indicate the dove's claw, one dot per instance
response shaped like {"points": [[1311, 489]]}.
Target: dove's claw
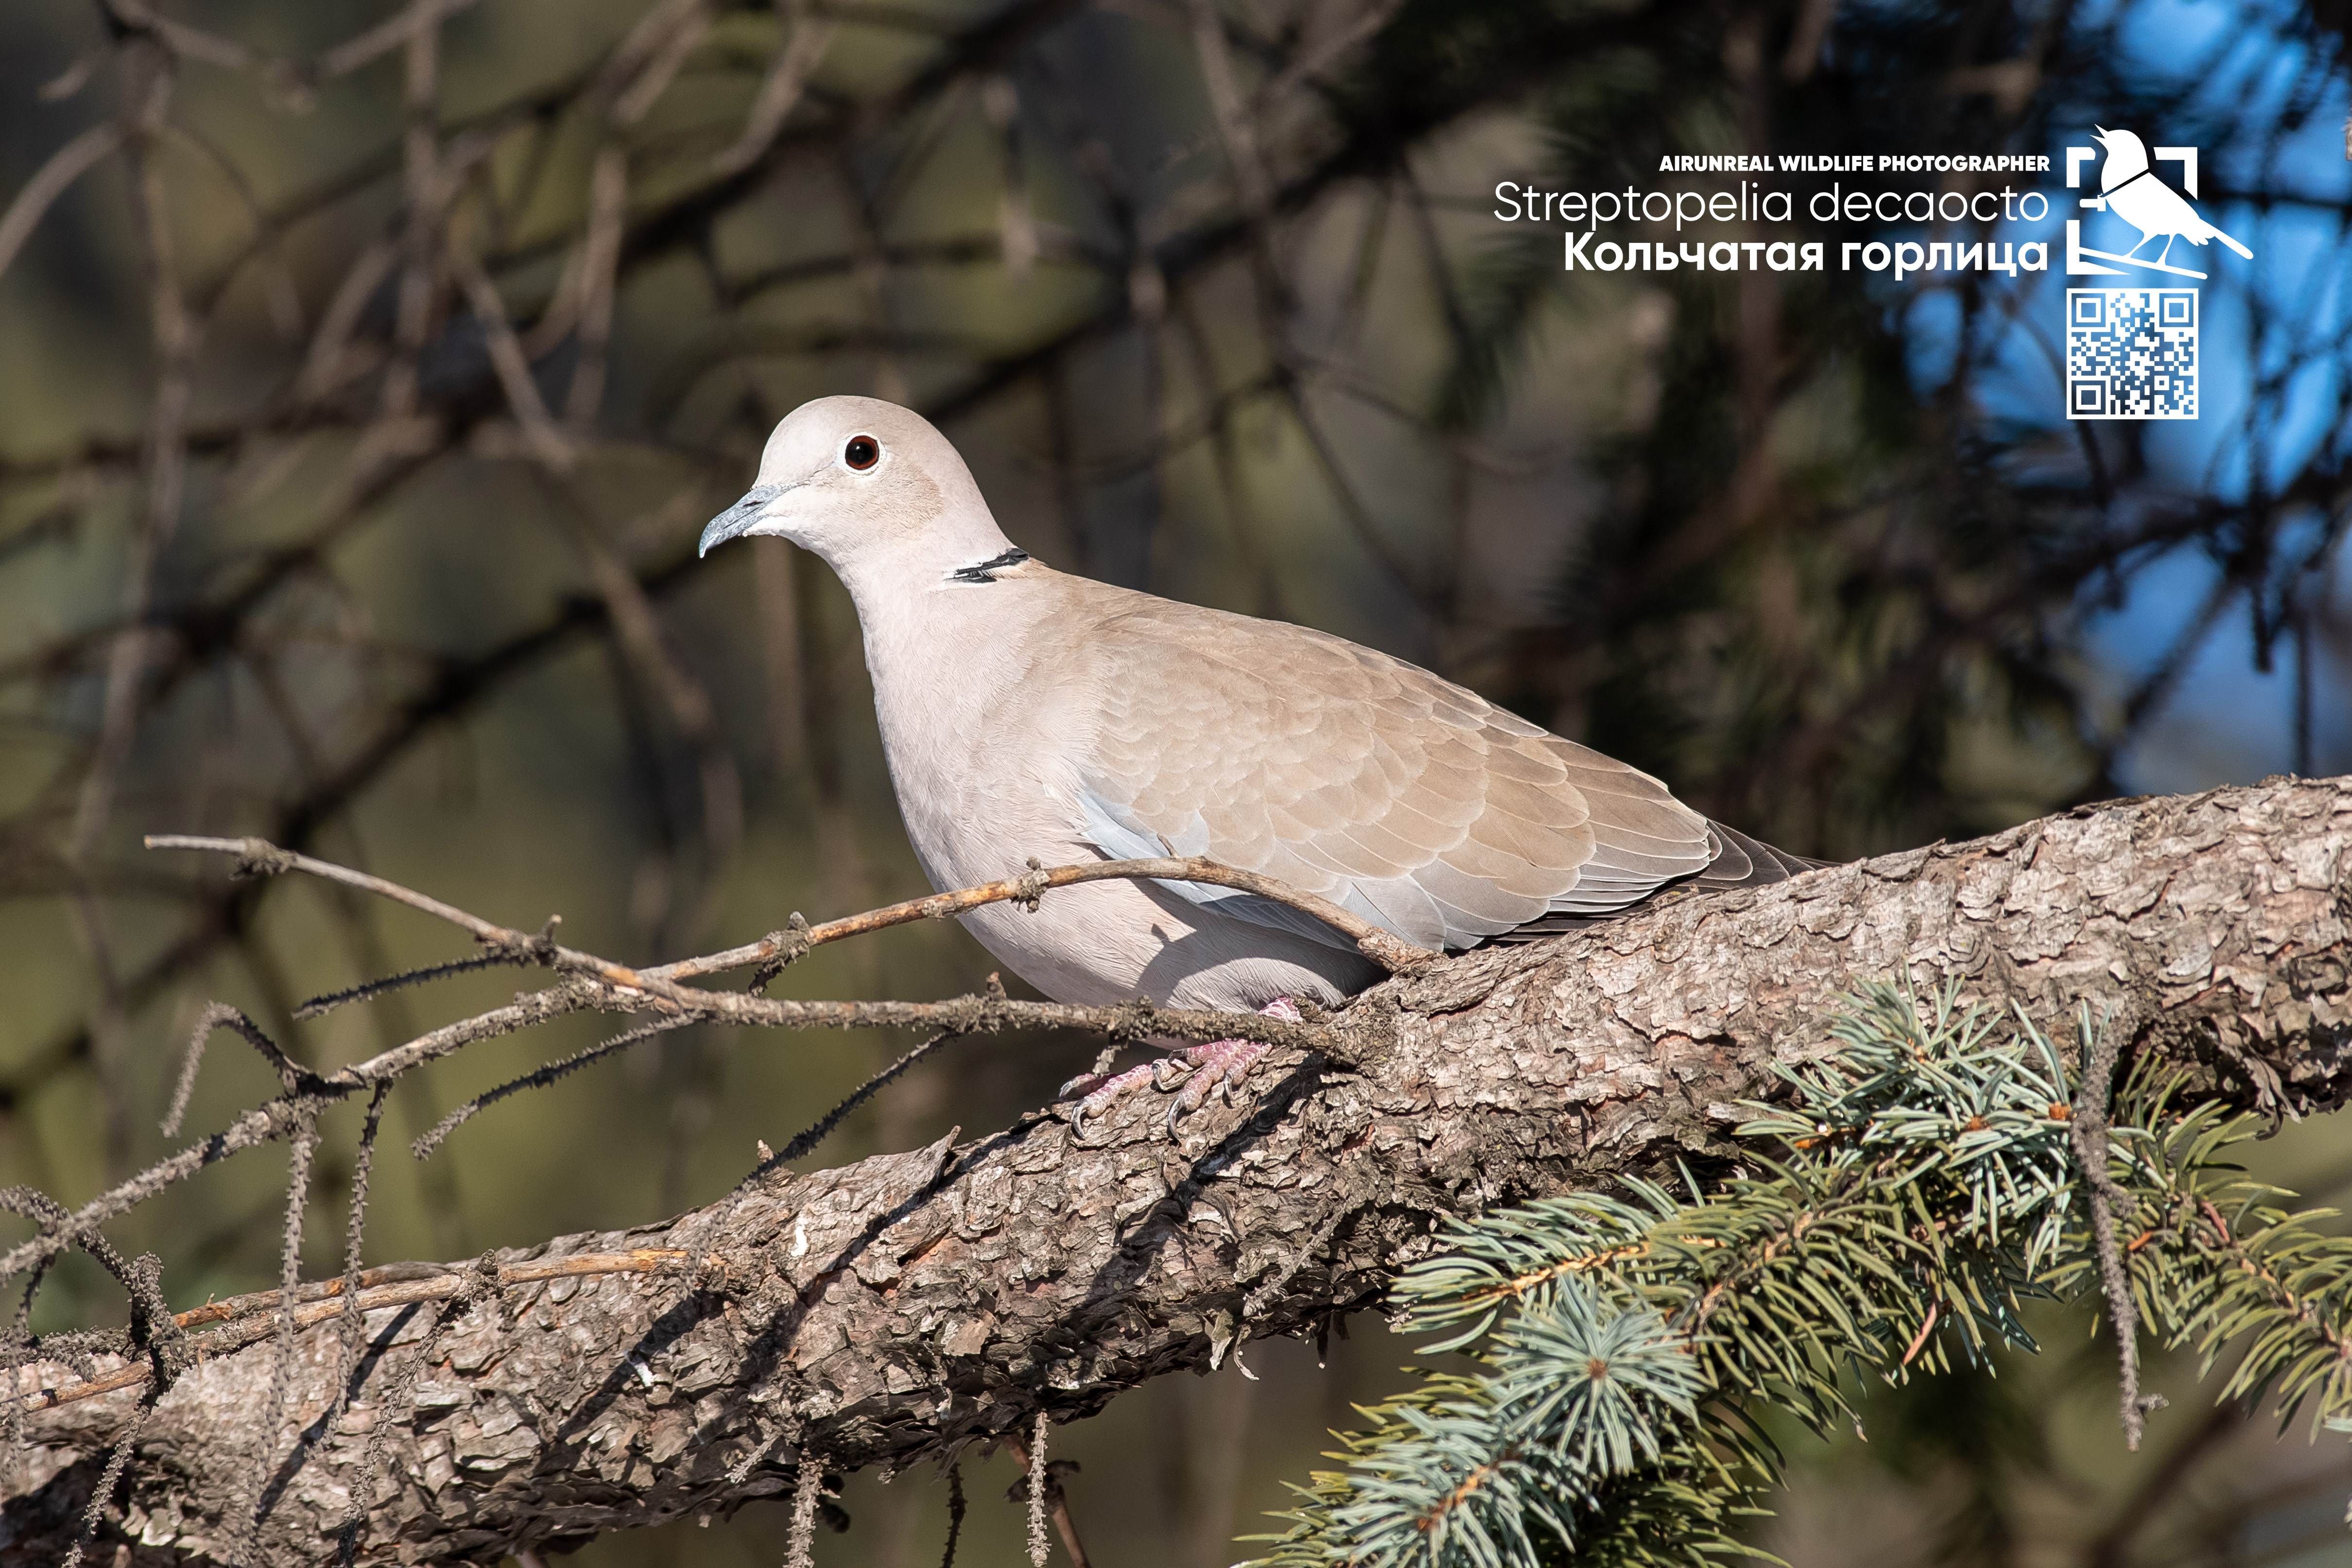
{"points": [[1220, 1067], [1101, 1093], [1197, 1071]]}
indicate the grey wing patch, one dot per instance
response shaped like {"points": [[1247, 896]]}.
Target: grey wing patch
{"points": [[1739, 861], [1750, 863], [1120, 837]]}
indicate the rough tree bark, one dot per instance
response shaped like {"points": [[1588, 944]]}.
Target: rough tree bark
{"points": [[911, 1305]]}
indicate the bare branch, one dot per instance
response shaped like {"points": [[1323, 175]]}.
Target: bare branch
{"points": [[394, 32], [220, 1014], [816, 1133], [317, 1006], [249, 1320], [541, 432], [1391, 953], [427, 1142], [178, 38], [257, 857], [804, 51], [865, 1315], [596, 982], [52, 180], [598, 265]]}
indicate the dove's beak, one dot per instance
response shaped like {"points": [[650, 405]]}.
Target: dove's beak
{"points": [[744, 516]]}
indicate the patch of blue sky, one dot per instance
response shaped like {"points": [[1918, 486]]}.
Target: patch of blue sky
{"points": [[2275, 362], [2276, 358], [2227, 720], [1931, 337]]}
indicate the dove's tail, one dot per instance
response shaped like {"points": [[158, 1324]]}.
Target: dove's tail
{"points": [[2212, 233]]}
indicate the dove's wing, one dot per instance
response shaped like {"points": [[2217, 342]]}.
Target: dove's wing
{"points": [[1349, 774]]}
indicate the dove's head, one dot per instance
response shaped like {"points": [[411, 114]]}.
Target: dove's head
{"points": [[2127, 153], [868, 485]]}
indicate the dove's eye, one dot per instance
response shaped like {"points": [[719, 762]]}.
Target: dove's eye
{"points": [[862, 452]]}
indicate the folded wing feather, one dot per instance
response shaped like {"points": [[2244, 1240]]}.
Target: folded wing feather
{"points": [[1342, 772]]}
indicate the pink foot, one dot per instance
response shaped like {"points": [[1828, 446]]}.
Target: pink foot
{"points": [[1100, 1092], [1216, 1068]]}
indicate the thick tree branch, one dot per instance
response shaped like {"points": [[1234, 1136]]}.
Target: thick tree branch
{"points": [[912, 1305]]}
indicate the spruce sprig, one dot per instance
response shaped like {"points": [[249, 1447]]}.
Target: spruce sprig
{"points": [[2218, 1261], [1917, 1187]]}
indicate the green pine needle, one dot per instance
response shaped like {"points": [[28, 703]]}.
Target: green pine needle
{"points": [[1917, 1188]]}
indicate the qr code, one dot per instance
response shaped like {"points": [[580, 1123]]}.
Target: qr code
{"points": [[2131, 353]]}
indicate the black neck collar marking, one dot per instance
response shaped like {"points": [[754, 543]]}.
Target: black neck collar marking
{"points": [[986, 570], [2119, 185]]}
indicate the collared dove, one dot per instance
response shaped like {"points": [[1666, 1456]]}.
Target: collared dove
{"points": [[1029, 713]]}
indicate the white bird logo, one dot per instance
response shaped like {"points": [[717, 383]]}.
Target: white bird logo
{"points": [[2129, 188]]}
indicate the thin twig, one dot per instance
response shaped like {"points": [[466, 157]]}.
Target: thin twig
{"points": [[319, 1005], [1919, 1340], [387, 35], [2087, 1129], [354, 1320], [428, 1141], [249, 1319], [597, 275], [1037, 1488], [545, 438], [955, 1514], [425, 193], [117, 1459], [258, 857], [179, 39], [815, 1133], [789, 74], [1391, 952], [594, 981], [800, 1538], [683, 696], [281, 1367], [52, 180], [1055, 1505], [148, 72]]}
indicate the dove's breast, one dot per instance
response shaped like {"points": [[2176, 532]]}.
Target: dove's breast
{"points": [[989, 703]]}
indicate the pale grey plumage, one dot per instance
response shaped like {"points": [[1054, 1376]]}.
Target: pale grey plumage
{"points": [[1028, 712]]}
